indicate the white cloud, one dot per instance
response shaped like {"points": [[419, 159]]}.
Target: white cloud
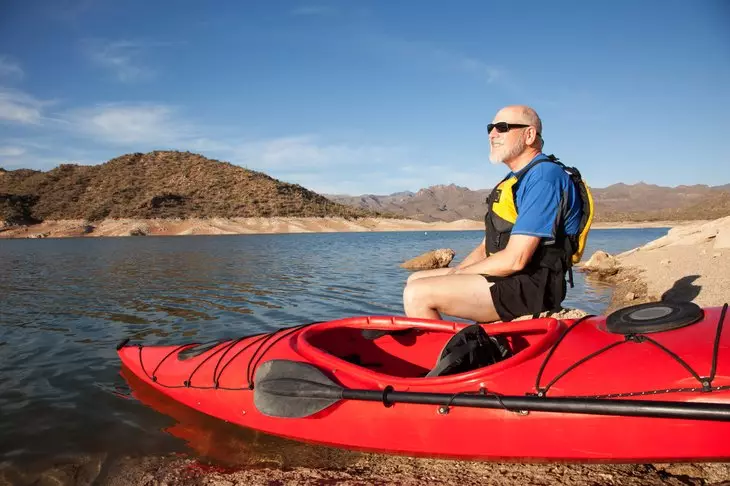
{"points": [[44, 152], [17, 106], [10, 69], [122, 58], [11, 151], [480, 68], [204, 144], [366, 181], [311, 161], [460, 62], [130, 124], [317, 162], [329, 183], [433, 57], [306, 152]]}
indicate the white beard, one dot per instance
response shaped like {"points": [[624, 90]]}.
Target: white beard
{"points": [[501, 153]]}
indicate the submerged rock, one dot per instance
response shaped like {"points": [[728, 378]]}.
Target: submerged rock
{"points": [[600, 260], [139, 230], [601, 263], [565, 313], [433, 259]]}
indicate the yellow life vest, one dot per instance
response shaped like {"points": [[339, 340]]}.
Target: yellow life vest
{"points": [[502, 214]]}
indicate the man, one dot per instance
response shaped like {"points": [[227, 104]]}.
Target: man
{"points": [[533, 217]]}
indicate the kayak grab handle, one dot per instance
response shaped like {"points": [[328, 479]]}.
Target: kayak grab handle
{"points": [[122, 343], [373, 334]]}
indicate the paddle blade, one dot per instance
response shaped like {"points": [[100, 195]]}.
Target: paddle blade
{"points": [[292, 389], [197, 350]]}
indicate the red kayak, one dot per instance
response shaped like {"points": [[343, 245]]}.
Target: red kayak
{"points": [[647, 383]]}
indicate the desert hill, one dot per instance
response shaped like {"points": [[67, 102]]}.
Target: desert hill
{"points": [[161, 184]]}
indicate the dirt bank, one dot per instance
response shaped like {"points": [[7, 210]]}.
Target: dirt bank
{"points": [[224, 226], [236, 226], [368, 469], [691, 263]]}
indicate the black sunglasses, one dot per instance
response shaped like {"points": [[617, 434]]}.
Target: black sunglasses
{"points": [[504, 127]]}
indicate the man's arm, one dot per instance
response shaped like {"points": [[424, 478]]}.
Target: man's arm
{"points": [[477, 254], [539, 199], [512, 259]]}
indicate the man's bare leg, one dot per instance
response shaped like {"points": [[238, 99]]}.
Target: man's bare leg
{"points": [[435, 272], [476, 255], [464, 296]]}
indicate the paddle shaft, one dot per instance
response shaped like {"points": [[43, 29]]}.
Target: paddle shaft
{"points": [[594, 406], [294, 389]]}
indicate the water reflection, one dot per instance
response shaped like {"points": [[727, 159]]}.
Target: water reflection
{"points": [[231, 445], [65, 304]]}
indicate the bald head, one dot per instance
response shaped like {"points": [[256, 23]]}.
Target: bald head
{"points": [[520, 114]]}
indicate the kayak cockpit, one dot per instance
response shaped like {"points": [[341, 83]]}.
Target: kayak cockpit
{"points": [[410, 348]]}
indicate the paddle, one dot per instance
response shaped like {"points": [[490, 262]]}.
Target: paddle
{"points": [[294, 389]]}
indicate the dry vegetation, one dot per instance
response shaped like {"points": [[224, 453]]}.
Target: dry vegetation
{"points": [[158, 185]]}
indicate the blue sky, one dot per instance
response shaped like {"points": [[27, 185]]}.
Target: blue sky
{"points": [[369, 96]]}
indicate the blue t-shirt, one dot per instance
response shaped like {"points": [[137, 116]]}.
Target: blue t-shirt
{"points": [[538, 197]]}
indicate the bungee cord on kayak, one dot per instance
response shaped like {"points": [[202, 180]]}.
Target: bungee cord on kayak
{"points": [[540, 391], [705, 383], [228, 345]]}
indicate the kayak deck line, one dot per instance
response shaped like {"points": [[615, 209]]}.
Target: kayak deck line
{"points": [[262, 339], [226, 346], [705, 382]]}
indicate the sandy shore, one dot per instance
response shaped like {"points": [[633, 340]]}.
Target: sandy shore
{"points": [[237, 226], [369, 469], [691, 263], [642, 224], [227, 226]]}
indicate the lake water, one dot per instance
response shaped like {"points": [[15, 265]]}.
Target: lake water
{"points": [[66, 303]]}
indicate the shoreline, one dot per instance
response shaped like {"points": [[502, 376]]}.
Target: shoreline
{"points": [[642, 224], [366, 468], [692, 262], [274, 225]]}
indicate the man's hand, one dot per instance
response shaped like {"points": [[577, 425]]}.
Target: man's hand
{"points": [[512, 259]]}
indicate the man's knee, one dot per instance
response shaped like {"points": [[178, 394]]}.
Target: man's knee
{"points": [[409, 292], [417, 275], [414, 292], [439, 272]]}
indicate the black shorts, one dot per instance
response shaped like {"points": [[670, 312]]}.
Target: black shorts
{"points": [[526, 294]]}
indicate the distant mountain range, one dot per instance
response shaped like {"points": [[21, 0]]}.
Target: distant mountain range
{"points": [[618, 202], [171, 184]]}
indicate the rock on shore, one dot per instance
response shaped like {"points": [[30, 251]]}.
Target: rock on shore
{"points": [[690, 263]]}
